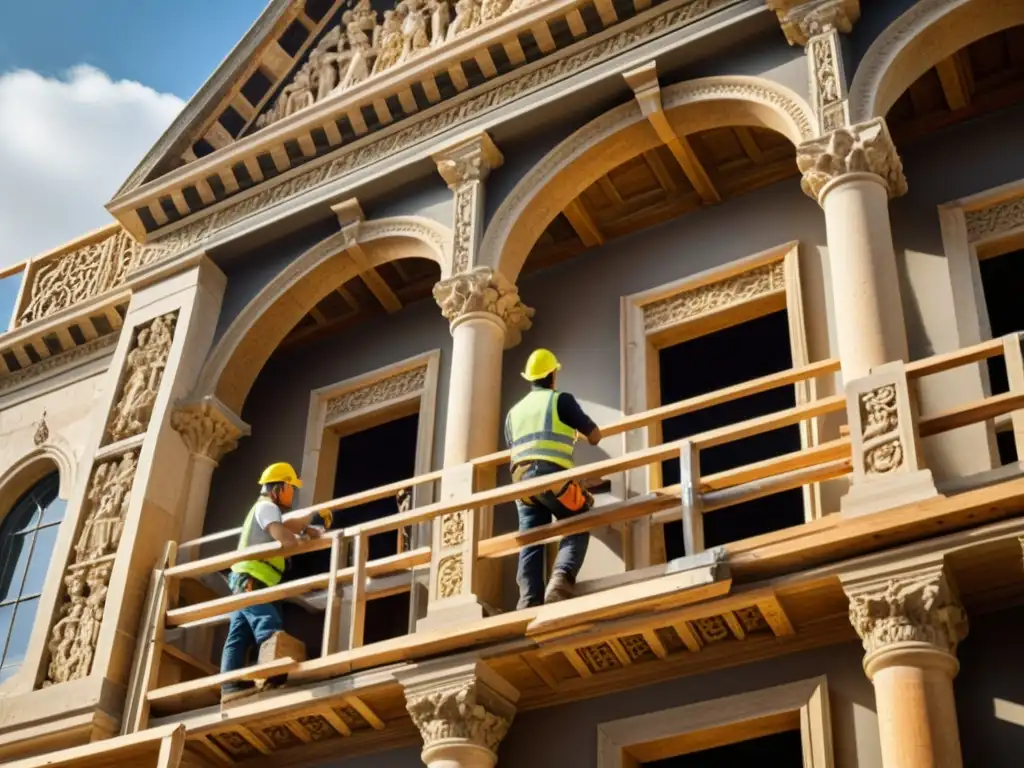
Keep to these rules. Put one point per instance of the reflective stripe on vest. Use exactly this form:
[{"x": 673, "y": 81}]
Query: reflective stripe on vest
[
  {"x": 537, "y": 432},
  {"x": 268, "y": 571}
]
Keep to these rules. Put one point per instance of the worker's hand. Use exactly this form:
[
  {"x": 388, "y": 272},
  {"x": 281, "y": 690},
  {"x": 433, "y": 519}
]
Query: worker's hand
[{"x": 313, "y": 532}]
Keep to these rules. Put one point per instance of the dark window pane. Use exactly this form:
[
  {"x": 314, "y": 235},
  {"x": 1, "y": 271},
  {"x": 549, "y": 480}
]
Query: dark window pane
[
  {"x": 54, "y": 511},
  {"x": 6, "y": 614},
  {"x": 14, "y": 554},
  {"x": 23, "y": 517},
  {"x": 40, "y": 562},
  {"x": 21, "y": 628}
]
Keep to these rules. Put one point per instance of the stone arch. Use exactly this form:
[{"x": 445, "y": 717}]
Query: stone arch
[
  {"x": 243, "y": 350},
  {"x": 623, "y": 133},
  {"x": 18, "y": 478},
  {"x": 932, "y": 30}
]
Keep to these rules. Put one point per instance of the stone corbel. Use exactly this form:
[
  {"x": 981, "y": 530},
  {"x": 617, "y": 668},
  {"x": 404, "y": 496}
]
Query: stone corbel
[
  {"x": 888, "y": 464},
  {"x": 863, "y": 148},
  {"x": 208, "y": 427},
  {"x": 482, "y": 290},
  {"x": 462, "y": 711},
  {"x": 464, "y": 167},
  {"x": 802, "y": 20}
]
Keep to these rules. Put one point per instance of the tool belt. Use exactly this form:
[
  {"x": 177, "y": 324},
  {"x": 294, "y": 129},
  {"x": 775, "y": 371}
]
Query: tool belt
[
  {"x": 243, "y": 582},
  {"x": 573, "y": 496}
]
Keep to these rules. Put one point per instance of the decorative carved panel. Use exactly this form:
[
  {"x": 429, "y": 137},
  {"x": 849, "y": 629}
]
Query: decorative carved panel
[
  {"x": 143, "y": 372},
  {"x": 599, "y": 657},
  {"x": 381, "y": 391},
  {"x": 880, "y": 428},
  {"x": 450, "y": 576},
  {"x": 995, "y": 220}
]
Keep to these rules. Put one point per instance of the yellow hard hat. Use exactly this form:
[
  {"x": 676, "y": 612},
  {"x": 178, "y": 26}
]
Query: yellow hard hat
[
  {"x": 540, "y": 363},
  {"x": 281, "y": 472}
]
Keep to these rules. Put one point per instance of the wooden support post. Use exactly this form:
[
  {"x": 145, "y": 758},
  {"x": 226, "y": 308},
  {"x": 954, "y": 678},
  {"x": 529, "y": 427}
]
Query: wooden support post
[
  {"x": 171, "y": 748},
  {"x": 332, "y": 613},
  {"x": 1015, "y": 375},
  {"x": 362, "y": 545},
  {"x": 693, "y": 507}
]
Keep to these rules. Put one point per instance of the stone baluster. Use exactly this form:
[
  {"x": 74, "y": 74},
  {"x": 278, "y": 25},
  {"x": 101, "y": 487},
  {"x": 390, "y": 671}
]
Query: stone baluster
[
  {"x": 463, "y": 711},
  {"x": 852, "y": 172},
  {"x": 910, "y": 620}
]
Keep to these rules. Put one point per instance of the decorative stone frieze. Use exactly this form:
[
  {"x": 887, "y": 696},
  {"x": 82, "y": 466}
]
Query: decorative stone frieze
[
  {"x": 207, "y": 429},
  {"x": 803, "y": 20},
  {"x": 64, "y": 359},
  {"x": 143, "y": 372},
  {"x": 828, "y": 83},
  {"x": 72, "y": 641},
  {"x": 383, "y": 390},
  {"x": 79, "y": 275},
  {"x": 995, "y": 219},
  {"x": 466, "y": 706},
  {"x": 919, "y": 605},
  {"x": 863, "y": 148},
  {"x": 483, "y": 290}
]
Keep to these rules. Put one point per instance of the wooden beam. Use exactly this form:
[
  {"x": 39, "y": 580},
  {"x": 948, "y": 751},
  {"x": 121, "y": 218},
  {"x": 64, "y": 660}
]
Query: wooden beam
[
  {"x": 609, "y": 190},
  {"x": 682, "y": 151},
  {"x": 373, "y": 280},
  {"x": 211, "y": 744},
  {"x": 157, "y": 212},
  {"x": 335, "y": 720},
  {"x": 458, "y": 77},
  {"x": 658, "y": 647},
  {"x": 217, "y": 135},
  {"x": 359, "y": 556},
  {"x": 953, "y": 76},
  {"x": 620, "y": 651},
  {"x": 367, "y": 714},
  {"x": 540, "y": 668},
  {"x": 171, "y": 749},
  {"x": 254, "y": 740},
  {"x": 298, "y": 731},
  {"x": 276, "y": 60},
  {"x": 749, "y": 144},
  {"x": 776, "y": 617},
  {"x": 585, "y": 226},
  {"x": 572, "y": 654},
  {"x": 734, "y": 625},
  {"x": 688, "y": 636},
  {"x": 653, "y": 160}
]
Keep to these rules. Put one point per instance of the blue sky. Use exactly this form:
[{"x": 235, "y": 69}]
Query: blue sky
[
  {"x": 171, "y": 46},
  {"x": 86, "y": 88}
]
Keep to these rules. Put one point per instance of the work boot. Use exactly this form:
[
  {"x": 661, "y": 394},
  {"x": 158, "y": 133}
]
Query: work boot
[{"x": 560, "y": 587}]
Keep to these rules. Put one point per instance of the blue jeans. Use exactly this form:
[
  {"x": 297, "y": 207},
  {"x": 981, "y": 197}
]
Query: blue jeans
[
  {"x": 571, "y": 550},
  {"x": 250, "y": 627}
]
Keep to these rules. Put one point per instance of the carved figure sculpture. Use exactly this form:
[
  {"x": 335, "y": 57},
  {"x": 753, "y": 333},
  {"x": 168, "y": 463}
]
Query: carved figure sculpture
[
  {"x": 144, "y": 370},
  {"x": 440, "y": 17},
  {"x": 327, "y": 62},
  {"x": 361, "y": 31},
  {"x": 468, "y": 14},
  {"x": 492, "y": 9},
  {"x": 388, "y": 41},
  {"x": 300, "y": 94},
  {"x": 108, "y": 497},
  {"x": 73, "y": 639},
  {"x": 415, "y": 37}
]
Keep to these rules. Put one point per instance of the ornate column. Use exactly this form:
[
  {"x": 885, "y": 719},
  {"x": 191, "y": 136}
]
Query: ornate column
[
  {"x": 209, "y": 430},
  {"x": 816, "y": 24},
  {"x": 910, "y": 620},
  {"x": 486, "y": 317},
  {"x": 852, "y": 172},
  {"x": 463, "y": 712}
]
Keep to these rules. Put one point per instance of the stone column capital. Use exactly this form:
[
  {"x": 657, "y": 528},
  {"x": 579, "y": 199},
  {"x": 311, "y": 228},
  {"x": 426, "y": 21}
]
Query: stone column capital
[
  {"x": 908, "y": 603},
  {"x": 803, "y": 19},
  {"x": 463, "y": 706},
  {"x": 857, "y": 149},
  {"x": 471, "y": 159},
  {"x": 483, "y": 290},
  {"x": 208, "y": 427}
]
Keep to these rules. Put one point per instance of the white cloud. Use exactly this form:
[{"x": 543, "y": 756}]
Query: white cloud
[{"x": 66, "y": 145}]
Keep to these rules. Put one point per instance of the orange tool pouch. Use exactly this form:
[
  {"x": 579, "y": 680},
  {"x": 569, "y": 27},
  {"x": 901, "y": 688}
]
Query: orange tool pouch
[{"x": 572, "y": 496}]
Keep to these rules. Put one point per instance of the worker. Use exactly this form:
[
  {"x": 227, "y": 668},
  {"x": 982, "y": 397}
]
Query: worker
[
  {"x": 252, "y": 626},
  {"x": 541, "y": 430}
]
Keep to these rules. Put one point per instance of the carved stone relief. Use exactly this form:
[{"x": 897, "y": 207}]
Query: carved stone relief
[
  {"x": 484, "y": 290},
  {"x": 827, "y": 80},
  {"x": 317, "y": 727},
  {"x": 863, "y": 148},
  {"x": 462, "y": 218},
  {"x": 449, "y": 576},
  {"x": 803, "y": 20},
  {"x": 381, "y": 391},
  {"x": 465, "y": 710},
  {"x": 916, "y": 607},
  {"x": 714, "y": 296},
  {"x": 995, "y": 220},
  {"x": 144, "y": 370},
  {"x": 599, "y": 657},
  {"x": 42, "y": 433},
  {"x": 205, "y": 431},
  {"x": 880, "y": 428},
  {"x": 73, "y": 637},
  {"x": 453, "y": 529},
  {"x": 79, "y": 275},
  {"x": 191, "y": 235}
]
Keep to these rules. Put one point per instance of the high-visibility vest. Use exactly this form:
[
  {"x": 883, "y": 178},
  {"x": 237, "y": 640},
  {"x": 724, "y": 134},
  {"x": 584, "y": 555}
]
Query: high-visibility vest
[
  {"x": 268, "y": 571},
  {"x": 537, "y": 432}
]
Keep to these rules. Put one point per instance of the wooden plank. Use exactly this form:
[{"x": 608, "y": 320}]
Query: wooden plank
[
  {"x": 242, "y": 106},
  {"x": 170, "y": 694},
  {"x": 113, "y": 317},
  {"x": 217, "y": 136},
  {"x": 276, "y": 60},
  {"x": 580, "y": 219},
  {"x": 332, "y": 612},
  {"x": 368, "y": 714},
  {"x": 332, "y": 717},
  {"x": 408, "y": 101},
  {"x": 255, "y": 741},
  {"x": 949, "y": 360},
  {"x": 298, "y": 731},
  {"x": 180, "y": 203},
  {"x": 688, "y": 636},
  {"x": 171, "y": 749},
  {"x": 657, "y": 647},
  {"x": 157, "y": 212},
  {"x": 758, "y": 489},
  {"x": 1015, "y": 374},
  {"x": 93, "y": 753},
  {"x": 971, "y": 413},
  {"x": 187, "y": 658},
  {"x": 361, "y": 546},
  {"x": 806, "y": 457},
  {"x": 355, "y": 117},
  {"x": 333, "y": 133},
  {"x": 690, "y": 496},
  {"x": 770, "y": 422},
  {"x": 280, "y": 157},
  {"x": 954, "y": 82}
]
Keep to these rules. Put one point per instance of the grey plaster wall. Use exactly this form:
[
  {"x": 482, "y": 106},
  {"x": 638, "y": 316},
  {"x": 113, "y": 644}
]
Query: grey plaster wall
[{"x": 278, "y": 404}]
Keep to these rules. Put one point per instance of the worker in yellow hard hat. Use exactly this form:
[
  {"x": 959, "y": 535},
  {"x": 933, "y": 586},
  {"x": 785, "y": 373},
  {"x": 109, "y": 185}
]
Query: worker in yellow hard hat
[
  {"x": 541, "y": 431},
  {"x": 265, "y": 523}
]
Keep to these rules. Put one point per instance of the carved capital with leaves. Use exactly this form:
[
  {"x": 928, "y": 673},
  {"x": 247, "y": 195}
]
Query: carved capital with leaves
[
  {"x": 466, "y": 704},
  {"x": 484, "y": 290},
  {"x": 900, "y": 605},
  {"x": 469, "y": 160},
  {"x": 208, "y": 428},
  {"x": 803, "y": 19},
  {"x": 863, "y": 148}
]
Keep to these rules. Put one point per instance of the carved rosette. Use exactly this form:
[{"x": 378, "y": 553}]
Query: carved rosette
[
  {"x": 464, "y": 710},
  {"x": 143, "y": 372},
  {"x": 803, "y": 20},
  {"x": 921, "y": 606},
  {"x": 484, "y": 290},
  {"x": 863, "y": 148},
  {"x": 880, "y": 429},
  {"x": 206, "y": 430}
]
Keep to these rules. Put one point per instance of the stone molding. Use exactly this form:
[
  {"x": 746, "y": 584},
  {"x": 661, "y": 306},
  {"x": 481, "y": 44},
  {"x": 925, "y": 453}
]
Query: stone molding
[
  {"x": 467, "y": 703},
  {"x": 906, "y": 604},
  {"x": 995, "y": 219},
  {"x": 803, "y": 20},
  {"x": 57, "y": 362},
  {"x": 483, "y": 290},
  {"x": 863, "y": 148},
  {"x": 469, "y": 160},
  {"x": 208, "y": 428},
  {"x": 393, "y": 387}
]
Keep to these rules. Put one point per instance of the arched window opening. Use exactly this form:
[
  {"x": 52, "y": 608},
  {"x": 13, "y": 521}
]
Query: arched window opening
[{"x": 27, "y": 537}]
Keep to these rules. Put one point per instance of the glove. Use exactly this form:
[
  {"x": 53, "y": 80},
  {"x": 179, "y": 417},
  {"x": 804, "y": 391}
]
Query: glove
[{"x": 325, "y": 519}]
